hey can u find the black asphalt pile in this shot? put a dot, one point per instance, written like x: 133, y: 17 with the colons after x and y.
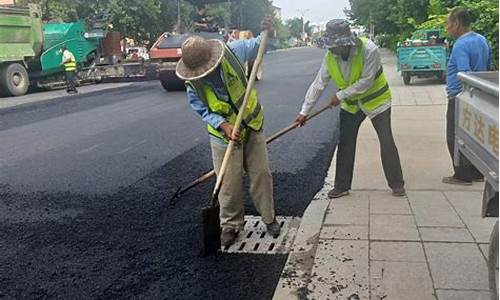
x: 132, y: 244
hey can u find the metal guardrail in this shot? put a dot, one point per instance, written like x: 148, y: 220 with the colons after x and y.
x: 485, y: 81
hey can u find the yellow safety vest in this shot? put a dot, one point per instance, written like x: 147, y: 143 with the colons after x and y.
x: 378, y: 94
x: 235, y: 82
x: 70, y: 65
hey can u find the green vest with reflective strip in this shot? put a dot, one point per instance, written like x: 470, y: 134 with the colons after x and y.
x: 235, y: 83
x: 70, y: 66
x: 378, y: 94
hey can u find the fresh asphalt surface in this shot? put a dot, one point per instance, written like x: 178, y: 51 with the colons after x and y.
x: 85, y: 183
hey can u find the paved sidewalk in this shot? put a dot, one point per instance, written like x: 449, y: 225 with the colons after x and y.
x: 431, y: 244
x: 10, y: 102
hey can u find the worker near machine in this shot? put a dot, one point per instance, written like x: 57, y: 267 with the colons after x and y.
x: 69, y: 63
x: 216, y: 85
x: 353, y: 65
x: 471, y: 52
x: 202, y: 22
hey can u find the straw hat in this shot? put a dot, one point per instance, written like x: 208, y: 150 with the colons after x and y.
x: 199, y: 58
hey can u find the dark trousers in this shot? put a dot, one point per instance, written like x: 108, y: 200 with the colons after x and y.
x: 71, y: 81
x: 349, y: 127
x: 465, y: 171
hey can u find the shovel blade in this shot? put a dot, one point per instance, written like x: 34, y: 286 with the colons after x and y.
x: 211, y: 230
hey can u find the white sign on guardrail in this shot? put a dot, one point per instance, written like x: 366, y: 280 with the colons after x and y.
x: 481, y: 128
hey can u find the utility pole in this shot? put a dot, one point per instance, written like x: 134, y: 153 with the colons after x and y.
x: 227, y: 16
x: 178, y: 17
x: 370, y: 25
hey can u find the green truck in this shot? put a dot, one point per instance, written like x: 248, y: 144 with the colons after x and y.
x: 30, y: 51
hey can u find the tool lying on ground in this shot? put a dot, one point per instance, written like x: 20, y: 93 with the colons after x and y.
x: 210, y: 215
x: 181, y: 190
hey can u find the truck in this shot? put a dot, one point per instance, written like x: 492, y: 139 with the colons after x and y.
x: 476, y: 138
x: 30, y: 51
x: 425, y: 54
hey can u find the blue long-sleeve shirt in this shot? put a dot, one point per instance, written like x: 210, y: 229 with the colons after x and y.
x: 244, y: 50
x: 471, y: 52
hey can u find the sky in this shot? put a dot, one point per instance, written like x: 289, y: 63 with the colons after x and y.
x: 317, y: 11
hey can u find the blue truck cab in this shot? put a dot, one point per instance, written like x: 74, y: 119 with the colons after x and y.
x: 424, y: 55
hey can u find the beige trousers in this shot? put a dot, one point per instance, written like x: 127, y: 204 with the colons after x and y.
x: 251, y: 157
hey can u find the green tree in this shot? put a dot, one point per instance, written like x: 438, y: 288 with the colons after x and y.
x: 295, y: 27
x: 396, y: 19
x: 248, y: 14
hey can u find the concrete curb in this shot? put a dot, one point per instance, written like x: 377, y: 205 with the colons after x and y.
x: 296, y: 274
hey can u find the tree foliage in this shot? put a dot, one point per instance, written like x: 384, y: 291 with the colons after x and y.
x: 295, y: 27
x: 145, y: 20
x: 394, y: 20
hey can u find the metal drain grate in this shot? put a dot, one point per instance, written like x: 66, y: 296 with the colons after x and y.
x: 254, y: 239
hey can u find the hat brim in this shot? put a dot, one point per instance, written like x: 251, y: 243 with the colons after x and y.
x: 330, y: 42
x: 216, y: 55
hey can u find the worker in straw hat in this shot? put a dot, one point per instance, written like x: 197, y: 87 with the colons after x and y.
x: 353, y: 65
x: 216, y: 84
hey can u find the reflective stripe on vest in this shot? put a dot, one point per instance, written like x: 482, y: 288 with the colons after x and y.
x: 377, y: 95
x: 235, y: 82
x: 70, y: 66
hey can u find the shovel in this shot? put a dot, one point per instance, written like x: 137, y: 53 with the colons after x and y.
x: 210, y: 215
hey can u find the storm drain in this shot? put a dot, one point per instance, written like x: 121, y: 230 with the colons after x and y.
x: 255, y: 240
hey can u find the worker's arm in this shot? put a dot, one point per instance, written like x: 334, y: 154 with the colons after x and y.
x: 462, y: 59
x: 64, y: 59
x: 315, y: 90
x: 372, y: 64
x: 216, y: 120
x: 314, y: 93
x: 199, y: 107
x: 247, y: 50
x: 200, y: 25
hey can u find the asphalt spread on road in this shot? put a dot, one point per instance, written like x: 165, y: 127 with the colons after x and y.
x: 133, y: 244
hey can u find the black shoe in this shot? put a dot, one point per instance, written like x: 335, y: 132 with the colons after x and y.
x: 273, y: 229
x: 337, y: 193
x: 399, y: 192
x: 454, y: 180
x: 228, y: 236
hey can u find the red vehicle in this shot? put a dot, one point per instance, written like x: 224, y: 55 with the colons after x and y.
x: 166, y: 52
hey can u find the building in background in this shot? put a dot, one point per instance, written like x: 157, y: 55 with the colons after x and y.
x: 277, y: 12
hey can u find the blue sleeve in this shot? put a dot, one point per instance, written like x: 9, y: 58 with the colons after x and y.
x: 245, y: 50
x: 199, y: 107
x: 462, y: 58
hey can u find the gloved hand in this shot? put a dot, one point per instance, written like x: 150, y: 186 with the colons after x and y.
x: 266, y: 24
x: 334, y: 101
x: 301, y: 119
x: 227, y: 128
